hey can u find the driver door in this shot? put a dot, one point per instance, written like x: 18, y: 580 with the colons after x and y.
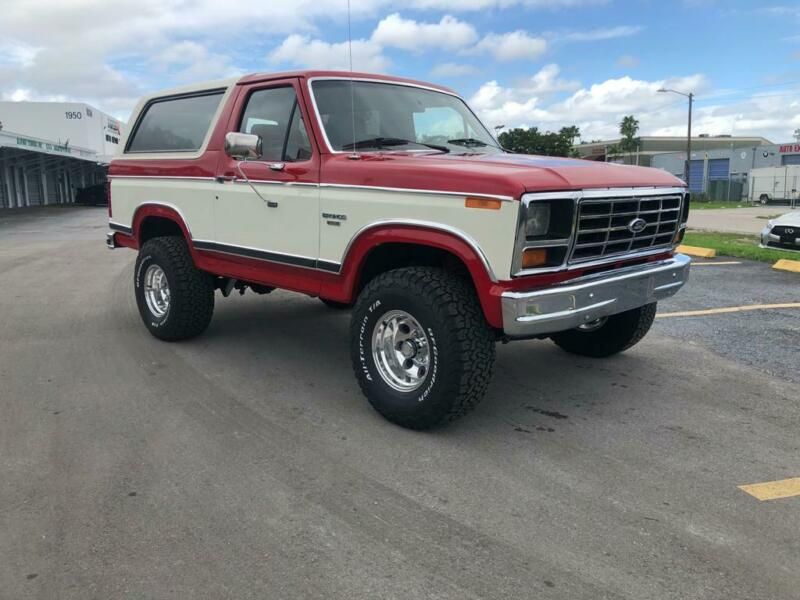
x: 274, y: 217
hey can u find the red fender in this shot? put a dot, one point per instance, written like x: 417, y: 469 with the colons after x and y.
x: 346, y: 285
x: 163, y: 211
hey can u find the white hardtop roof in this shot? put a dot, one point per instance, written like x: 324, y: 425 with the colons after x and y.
x: 193, y: 87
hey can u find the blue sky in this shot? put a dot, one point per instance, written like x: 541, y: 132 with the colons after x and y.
x: 547, y: 63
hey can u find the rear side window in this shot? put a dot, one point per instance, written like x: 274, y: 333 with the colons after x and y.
x: 177, y: 124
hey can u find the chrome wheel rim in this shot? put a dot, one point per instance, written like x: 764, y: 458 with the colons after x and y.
x: 401, y: 351
x: 156, y: 291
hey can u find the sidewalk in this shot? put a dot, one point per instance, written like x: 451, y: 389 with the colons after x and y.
x: 734, y: 220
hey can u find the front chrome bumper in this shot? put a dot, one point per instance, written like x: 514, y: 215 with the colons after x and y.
x: 583, y: 300
x: 768, y: 238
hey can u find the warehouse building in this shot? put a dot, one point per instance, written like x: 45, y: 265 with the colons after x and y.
x: 49, y: 151
x: 652, y: 146
x: 722, y: 173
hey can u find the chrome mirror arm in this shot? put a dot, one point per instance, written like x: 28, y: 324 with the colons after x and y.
x: 270, y: 203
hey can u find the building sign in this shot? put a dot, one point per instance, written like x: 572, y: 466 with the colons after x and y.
x: 48, y: 147
x: 113, y: 126
x: 789, y: 148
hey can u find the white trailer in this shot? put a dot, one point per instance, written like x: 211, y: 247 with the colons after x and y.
x: 775, y: 184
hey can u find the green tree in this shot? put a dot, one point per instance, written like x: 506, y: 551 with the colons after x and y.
x: 628, y: 128
x: 533, y: 141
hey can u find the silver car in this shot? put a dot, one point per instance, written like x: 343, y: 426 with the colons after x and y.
x: 783, y: 232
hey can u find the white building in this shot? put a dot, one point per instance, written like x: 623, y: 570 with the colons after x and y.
x: 50, y: 150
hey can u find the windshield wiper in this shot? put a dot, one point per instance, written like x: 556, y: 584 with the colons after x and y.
x: 387, y: 142
x: 467, y: 142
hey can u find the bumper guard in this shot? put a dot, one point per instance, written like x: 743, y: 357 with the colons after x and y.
x: 583, y: 300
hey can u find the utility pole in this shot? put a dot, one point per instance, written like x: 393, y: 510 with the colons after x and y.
x: 690, y: 96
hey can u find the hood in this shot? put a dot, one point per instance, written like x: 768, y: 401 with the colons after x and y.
x: 792, y: 218
x: 509, y: 175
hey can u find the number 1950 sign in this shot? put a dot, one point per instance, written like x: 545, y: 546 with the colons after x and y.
x: 73, y: 114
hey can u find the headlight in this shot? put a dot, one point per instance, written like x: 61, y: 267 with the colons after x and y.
x: 538, y: 221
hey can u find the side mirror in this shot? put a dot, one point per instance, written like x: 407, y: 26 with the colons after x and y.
x: 242, y: 145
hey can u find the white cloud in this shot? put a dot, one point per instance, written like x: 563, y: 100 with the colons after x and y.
x: 547, y: 81
x: 515, y: 45
x: 598, y: 108
x: 190, y: 61
x: 302, y: 51
x: 476, y: 5
x: 450, y: 69
x: 607, y: 33
x: 449, y: 33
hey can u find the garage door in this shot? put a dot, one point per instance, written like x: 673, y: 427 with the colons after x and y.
x: 696, y: 174
x: 718, y: 168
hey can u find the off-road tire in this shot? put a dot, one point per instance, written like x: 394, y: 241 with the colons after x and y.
x: 191, y: 302
x: 617, y: 334
x: 335, y: 305
x: 461, y: 345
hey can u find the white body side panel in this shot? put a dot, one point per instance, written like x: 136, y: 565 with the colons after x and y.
x: 193, y: 199
x: 492, y: 231
x: 244, y: 219
x: 232, y: 214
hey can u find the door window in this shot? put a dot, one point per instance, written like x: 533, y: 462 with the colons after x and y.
x: 275, y: 115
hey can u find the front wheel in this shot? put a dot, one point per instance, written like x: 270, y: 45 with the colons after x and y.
x: 175, y: 299
x: 764, y: 199
x: 609, y: 335
x: 421, y: 349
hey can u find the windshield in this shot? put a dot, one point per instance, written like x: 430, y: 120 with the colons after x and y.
x: 398, y: 117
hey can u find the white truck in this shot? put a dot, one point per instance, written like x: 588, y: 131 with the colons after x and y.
x: 777, y: 185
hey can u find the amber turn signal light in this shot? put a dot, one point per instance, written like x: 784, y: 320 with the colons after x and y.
x: 482, y: 203
x: 534, y: 257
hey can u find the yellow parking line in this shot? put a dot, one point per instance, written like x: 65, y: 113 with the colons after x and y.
x: 772, y: 490
x: 727, y: 262
x: 727, y: 309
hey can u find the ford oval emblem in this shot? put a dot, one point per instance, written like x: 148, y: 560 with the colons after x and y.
x: 790, y: 231
x: 637, y: 225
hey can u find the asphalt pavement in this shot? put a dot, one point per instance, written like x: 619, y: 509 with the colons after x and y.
x: 246, y: 463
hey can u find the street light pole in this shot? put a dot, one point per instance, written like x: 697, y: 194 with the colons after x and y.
x: 688, y: 165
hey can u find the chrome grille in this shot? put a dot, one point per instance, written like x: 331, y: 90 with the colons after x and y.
x: 603, y: 225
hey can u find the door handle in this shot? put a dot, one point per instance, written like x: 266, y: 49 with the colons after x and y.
x: 277, y: 166
x: 224, y: 178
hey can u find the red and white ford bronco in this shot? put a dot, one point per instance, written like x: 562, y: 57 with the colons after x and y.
x: 389, y: 197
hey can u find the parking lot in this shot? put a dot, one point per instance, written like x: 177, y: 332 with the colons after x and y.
x: 246, y: 463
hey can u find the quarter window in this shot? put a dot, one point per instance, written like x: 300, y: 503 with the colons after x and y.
x: 175, y: 124
x: 275, y: 115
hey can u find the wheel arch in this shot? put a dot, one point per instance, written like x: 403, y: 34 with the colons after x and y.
x: 153, y: 219
x: 383, y: 246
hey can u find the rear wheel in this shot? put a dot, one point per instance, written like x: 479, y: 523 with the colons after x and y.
x: 421, y: 349
x: 764, y: 199
x: 175, y: 299
x: 609, y: 335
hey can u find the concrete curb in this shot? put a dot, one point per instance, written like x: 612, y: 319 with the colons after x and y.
x: 784, y: 264
x: 697, y: 251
